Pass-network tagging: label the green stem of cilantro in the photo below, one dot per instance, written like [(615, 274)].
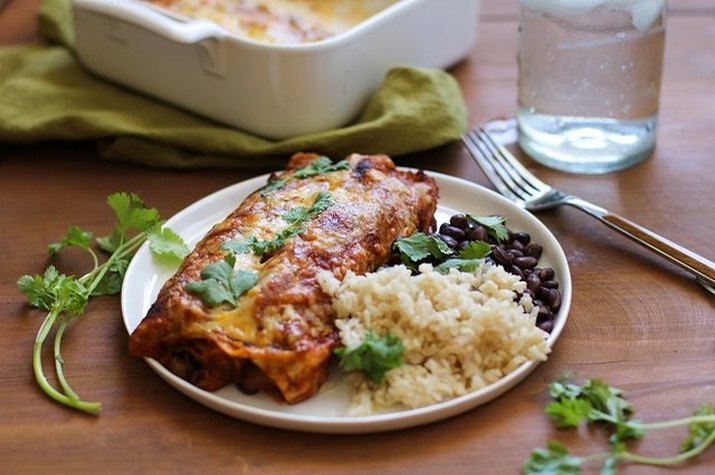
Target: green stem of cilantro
[(86, 406), (60, 362), (677, 422), (673, 460), (595, 457), (94, 277)]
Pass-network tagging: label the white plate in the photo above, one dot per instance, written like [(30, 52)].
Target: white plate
[(323, 412)]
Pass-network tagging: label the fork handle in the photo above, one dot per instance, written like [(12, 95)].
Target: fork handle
[(701, 267)]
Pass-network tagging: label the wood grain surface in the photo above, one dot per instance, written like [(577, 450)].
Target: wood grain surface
[(636, 320)]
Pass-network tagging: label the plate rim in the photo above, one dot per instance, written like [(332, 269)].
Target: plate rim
[(344, 424)]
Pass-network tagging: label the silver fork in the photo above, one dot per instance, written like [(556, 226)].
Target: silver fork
[(518, 184)]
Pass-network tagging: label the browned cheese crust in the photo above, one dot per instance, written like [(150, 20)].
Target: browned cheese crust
[(281, 334)]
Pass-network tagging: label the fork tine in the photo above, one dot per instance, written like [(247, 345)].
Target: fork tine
[(502, 171), (485, 163), (522, 177)]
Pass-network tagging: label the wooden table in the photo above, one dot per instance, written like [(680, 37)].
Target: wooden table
[(637, 321)]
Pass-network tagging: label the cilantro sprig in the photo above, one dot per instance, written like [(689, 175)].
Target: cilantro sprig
[(418, 247), (595, 402), (297, 219), (222, 283), (375, 356), (319, 166), (65, 297), (467, 260)]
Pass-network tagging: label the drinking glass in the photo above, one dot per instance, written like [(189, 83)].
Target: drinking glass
[(589, 81)]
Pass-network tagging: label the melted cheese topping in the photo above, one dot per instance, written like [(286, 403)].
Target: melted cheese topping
[(280, 21)]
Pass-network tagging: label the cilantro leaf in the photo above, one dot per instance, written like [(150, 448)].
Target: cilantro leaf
[(468, 260), (375, 356), (320, 166), (131, 211), (221, 283), (53, 291), (463, 265), (476, 250), (237, 246), (569, 412), (272, 185), (40, 289), (607, 401), (420, 246), (166, 244), (75, 236), (594, 401), (494, 224), (111, 282), (554, 460), (131, 214)]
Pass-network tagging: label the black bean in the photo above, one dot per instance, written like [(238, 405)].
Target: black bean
[(533, 283), (543, 314), (547, 326), (454, 231), (526, 262), (550, 284), (534, 250), (556, 304), (515, 252), (547, 273), (463, 245), (443, 226), (517, 246), (501, 256), (459, 220), (522, 238), (549, 296), (478, 234), (449, 240)]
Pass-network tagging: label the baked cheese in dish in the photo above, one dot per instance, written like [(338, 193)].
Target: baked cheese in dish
[(280, 21)]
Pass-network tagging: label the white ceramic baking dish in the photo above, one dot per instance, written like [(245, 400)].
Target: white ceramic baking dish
[(276, 91)]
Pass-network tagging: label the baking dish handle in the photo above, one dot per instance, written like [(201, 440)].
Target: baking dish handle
[(136, 13)]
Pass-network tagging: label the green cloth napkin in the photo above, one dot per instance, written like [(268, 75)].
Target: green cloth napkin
[(45, 94)]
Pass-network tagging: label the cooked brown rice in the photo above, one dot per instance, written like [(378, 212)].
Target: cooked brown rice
[(461, 331)]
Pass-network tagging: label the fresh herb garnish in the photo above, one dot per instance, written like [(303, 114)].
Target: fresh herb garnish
[(65, 297), (320, 166), (595, 402), (222, 283), (297, 219), (275, 184), (494, 224), (375, 356), (468, 260), (419, 246)]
